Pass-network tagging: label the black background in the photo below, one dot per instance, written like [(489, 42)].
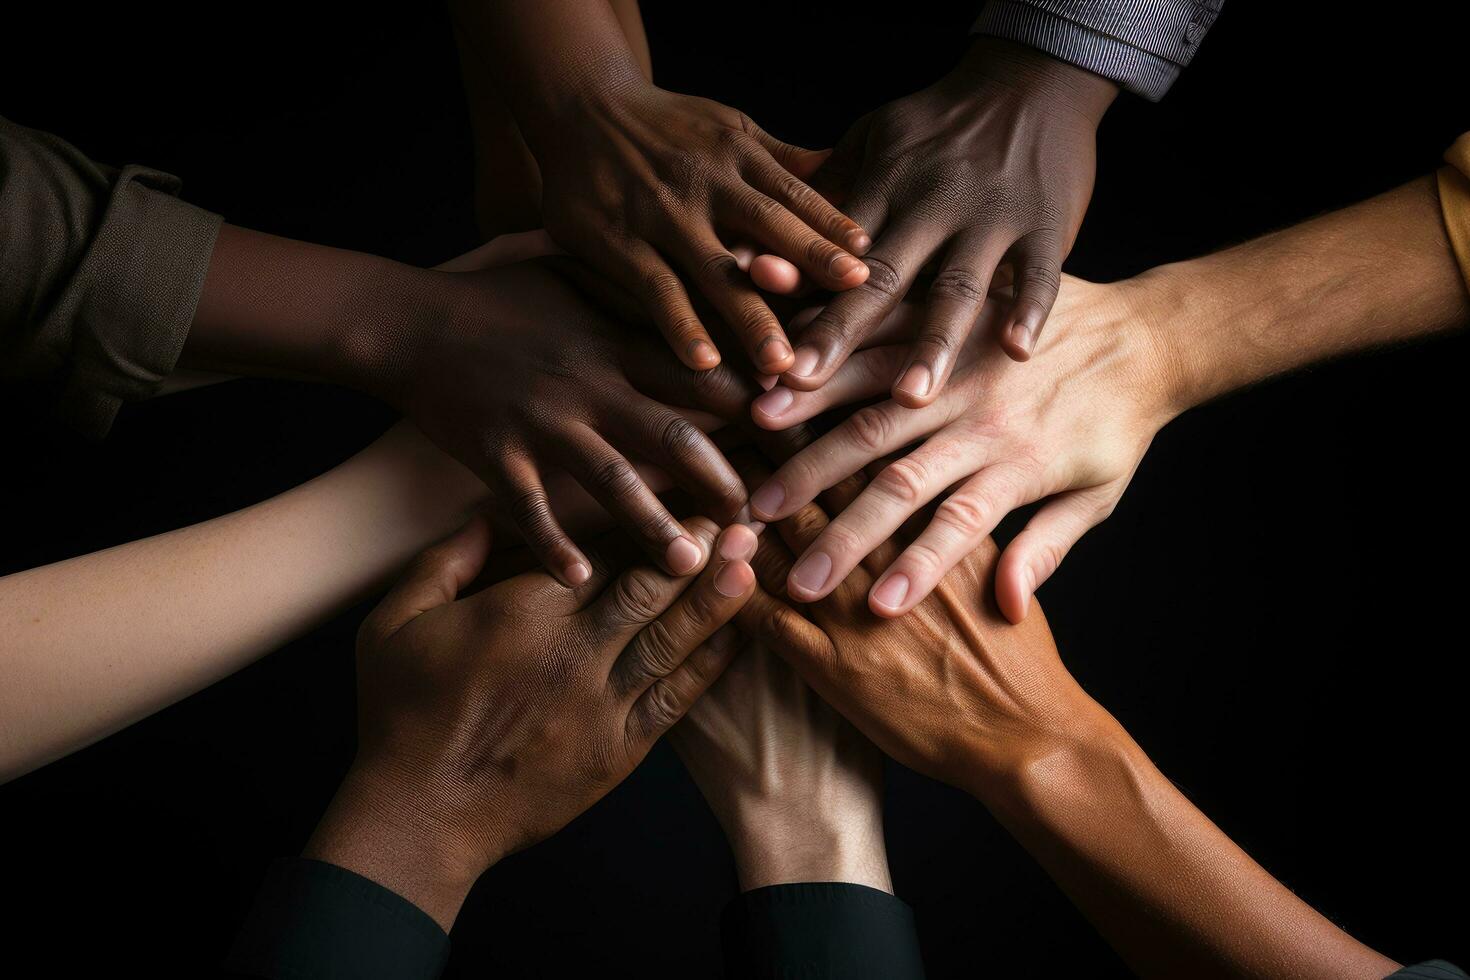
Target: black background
[(1274, 611)]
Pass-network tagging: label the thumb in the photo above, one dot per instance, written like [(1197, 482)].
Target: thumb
[(433, 579)]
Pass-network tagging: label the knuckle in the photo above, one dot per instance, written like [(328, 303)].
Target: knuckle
[(655, 651), (883, 277), (678, 438), (637, 597), (531, 513), (1041, 278), (819, 253), (661, 707), (718, 266), (927, 563), (904, 480), (968, 514), (616, 477), (870, 428), (959, 284), (759, 208)]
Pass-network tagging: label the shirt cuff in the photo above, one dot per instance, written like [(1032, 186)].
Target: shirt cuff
[(1143, 55), (312, 920), (144, 271), (820, 929)]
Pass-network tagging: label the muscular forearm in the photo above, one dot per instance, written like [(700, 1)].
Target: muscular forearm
[(1375, 273), (1167, 888), (95, 643)]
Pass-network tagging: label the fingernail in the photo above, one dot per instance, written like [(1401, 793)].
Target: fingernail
[(756, 527), (915, 380), (772, 351), (858, 242), (703, 353), (892, 591), (812, 571), (737, 543), (768, 499), (1022, 337), (577, 573), (843, 266), (732, 578), (682, 555), (775, 401), (806, 361)]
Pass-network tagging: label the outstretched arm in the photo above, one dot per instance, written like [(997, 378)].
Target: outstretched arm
[(1119, 362), (954, 691)]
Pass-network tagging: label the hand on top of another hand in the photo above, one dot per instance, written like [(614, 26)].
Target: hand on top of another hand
[(1070, 429), (516, 374), (487, 722), (647, 186), (991, 165), (950, 690)]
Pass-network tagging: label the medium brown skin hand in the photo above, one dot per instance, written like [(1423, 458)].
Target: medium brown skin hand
[(992, 164), (488, 722), (650, 186), (798, 791), (954, 691)]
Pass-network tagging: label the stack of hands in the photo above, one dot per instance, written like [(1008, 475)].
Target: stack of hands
[(796, 391)]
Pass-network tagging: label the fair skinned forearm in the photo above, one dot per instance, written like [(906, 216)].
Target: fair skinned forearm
[(1165, 886), (1376, 273), (97, 642), (845, 843)]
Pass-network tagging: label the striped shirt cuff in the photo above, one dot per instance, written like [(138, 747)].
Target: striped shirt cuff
[(1141, 45)]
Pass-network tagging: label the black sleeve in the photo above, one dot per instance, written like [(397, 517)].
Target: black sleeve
[(312, 919), (820, 929), (100, 272), (1430, 970)]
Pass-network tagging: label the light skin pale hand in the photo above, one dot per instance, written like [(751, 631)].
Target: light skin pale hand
[(1117, 364), (796, 788), (487, 722)]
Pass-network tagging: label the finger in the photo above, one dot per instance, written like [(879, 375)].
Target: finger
[(662, 436), (1037, 262), (721, 390), (900, 489), (787, 633), (717, 275), (433, 579), (639, 594), (955, 300), (658, 649), (524, 499), (775, 275), (613, 482), (671, 697), (867, 374), (862, 437), (764, 219), (960, 525), (638, 268), (1037, 552), (845, 323), (811, 210)]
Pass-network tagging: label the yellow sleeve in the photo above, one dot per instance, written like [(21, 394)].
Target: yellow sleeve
[(1454, 200)]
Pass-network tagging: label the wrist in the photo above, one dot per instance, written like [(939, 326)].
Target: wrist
[(1173, 320), (1029, 72), (396, 835), (827, 842)]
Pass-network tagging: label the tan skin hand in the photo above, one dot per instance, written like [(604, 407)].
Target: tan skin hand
[(1069, 429), (796, 788), (487, 722)]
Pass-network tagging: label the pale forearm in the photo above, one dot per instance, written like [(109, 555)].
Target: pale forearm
[(1376, 273), (820, 840), (95, 643), (1167, 888)]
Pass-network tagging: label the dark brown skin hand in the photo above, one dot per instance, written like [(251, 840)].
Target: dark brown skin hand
[(527, 377), (992, 164), (488, 722), (648, 186)]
